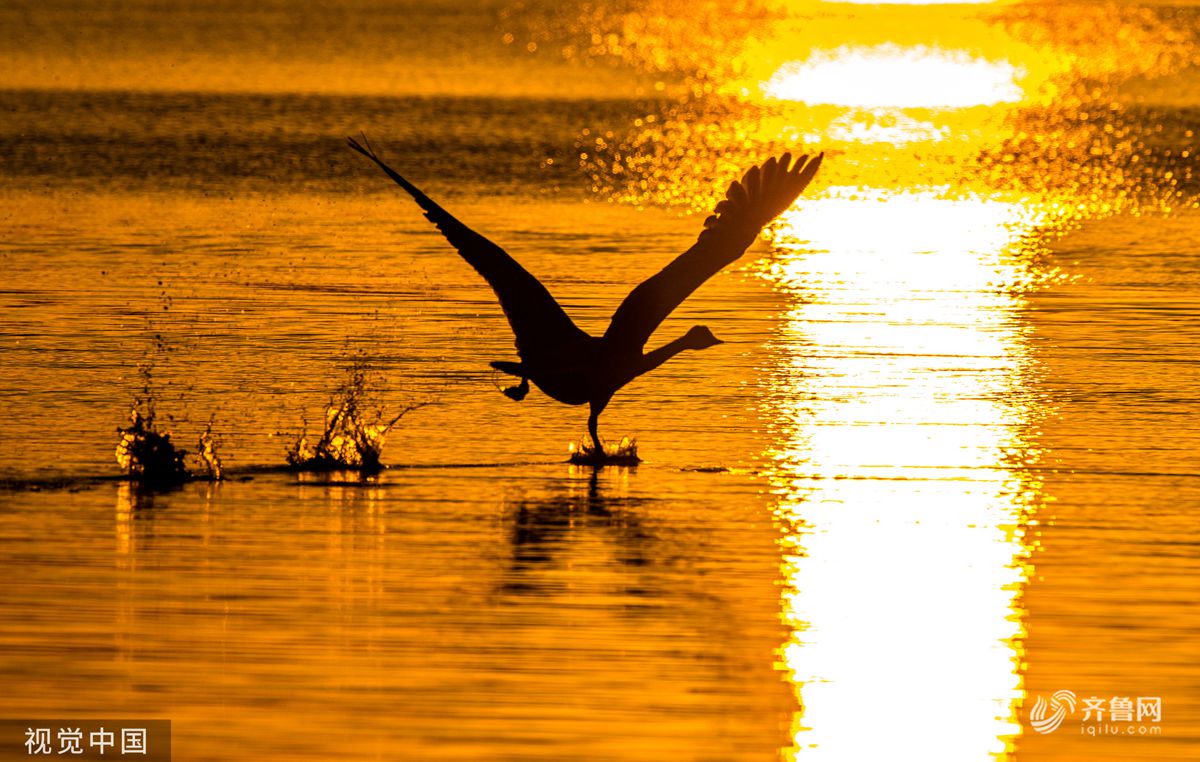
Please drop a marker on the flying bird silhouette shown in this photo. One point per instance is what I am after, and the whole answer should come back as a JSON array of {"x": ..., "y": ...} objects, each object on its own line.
[{"x": 574, "y": 367}]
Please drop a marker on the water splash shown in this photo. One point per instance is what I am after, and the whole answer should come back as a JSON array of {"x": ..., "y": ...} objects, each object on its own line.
[
  {"x": 207, "y": 454},
  {"x": 354, "y": 434},
  {"x": 147, "y": 455},
  {"x": 624, "y": 454}
]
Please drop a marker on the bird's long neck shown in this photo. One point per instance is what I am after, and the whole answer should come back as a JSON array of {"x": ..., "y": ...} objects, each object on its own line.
[{"x": 656, "y": 357}]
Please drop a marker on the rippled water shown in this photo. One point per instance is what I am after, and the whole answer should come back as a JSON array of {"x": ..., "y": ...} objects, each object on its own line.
[{"x": 943, "y": 465}]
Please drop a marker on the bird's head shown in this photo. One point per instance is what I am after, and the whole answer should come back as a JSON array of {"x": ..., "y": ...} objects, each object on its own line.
[{"x": 699, "y": 337}]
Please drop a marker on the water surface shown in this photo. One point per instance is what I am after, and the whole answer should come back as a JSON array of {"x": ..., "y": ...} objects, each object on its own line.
[{"x": 944, "y": 463}]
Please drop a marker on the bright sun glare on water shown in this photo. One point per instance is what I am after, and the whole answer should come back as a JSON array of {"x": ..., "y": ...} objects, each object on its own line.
[
  {"x": 898, "y": 412},
  {"x": 889, "y": 76},
  {"x": 905, "y": 437},
  {"x": 899, "y": 408},
  {"x": 907, "y": 518}
]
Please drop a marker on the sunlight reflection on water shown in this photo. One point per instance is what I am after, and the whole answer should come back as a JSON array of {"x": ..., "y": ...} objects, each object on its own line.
[
  {"x": 905, "y": 513},
  {"x": 906, "y": 430}
]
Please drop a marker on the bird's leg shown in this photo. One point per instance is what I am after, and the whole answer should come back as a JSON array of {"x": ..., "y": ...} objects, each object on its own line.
[{"x": 593, "y": 421}]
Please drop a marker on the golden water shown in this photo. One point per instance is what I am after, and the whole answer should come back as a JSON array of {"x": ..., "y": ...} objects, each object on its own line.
[{"x": 944, "y": 463}]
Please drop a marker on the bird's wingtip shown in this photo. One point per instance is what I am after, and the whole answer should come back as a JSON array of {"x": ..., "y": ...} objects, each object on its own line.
[{"x": 365, "y": 147}]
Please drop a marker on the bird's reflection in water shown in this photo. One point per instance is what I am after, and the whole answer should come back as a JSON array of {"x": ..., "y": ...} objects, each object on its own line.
[{"x": 584, "y": 518}]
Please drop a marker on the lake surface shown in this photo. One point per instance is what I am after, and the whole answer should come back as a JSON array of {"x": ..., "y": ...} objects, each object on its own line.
[{"x": 943, "y": 466}]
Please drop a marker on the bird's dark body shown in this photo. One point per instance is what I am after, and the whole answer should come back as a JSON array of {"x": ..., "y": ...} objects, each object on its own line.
[
  {"x": 576, "y": 368},
  {"x": 589, "y": 370}
]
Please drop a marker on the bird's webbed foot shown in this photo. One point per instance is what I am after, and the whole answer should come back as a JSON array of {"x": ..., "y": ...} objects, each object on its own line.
[{"x": 517, "y": 393}]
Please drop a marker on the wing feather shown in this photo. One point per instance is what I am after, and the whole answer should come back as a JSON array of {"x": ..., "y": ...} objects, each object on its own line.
[
  {"x": 537, "y": 320},
  {"x": 762, "y": 195}
]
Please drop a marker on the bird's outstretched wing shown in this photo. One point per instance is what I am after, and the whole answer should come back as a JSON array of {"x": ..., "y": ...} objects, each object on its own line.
[
  {"x": 761, "y": 195},
  {"x": 537, "y": 320}
]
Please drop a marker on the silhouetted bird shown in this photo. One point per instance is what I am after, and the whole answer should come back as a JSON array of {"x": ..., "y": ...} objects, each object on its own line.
[{"x": 576, "y": 368}]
